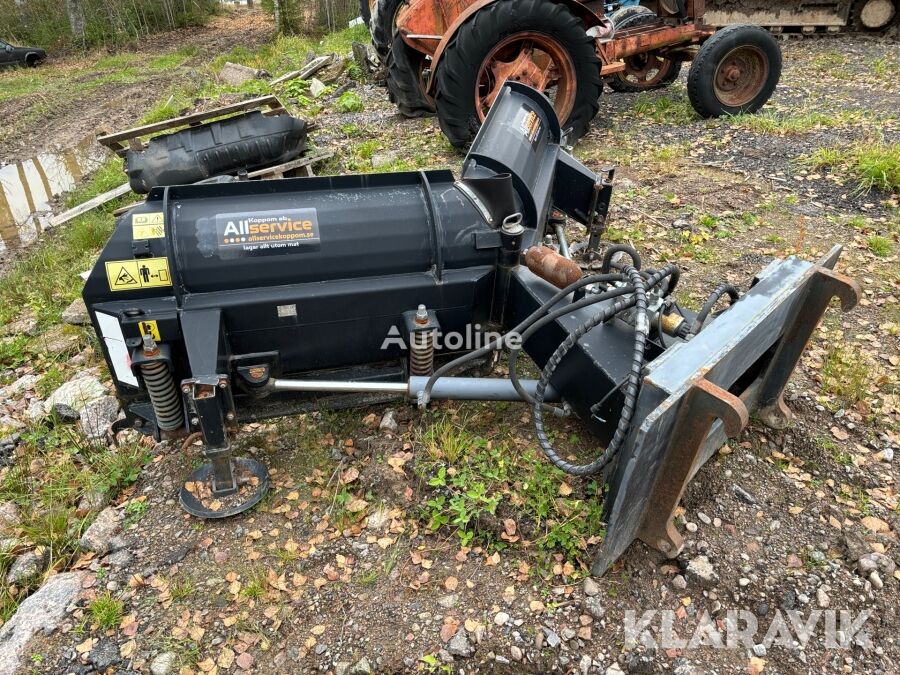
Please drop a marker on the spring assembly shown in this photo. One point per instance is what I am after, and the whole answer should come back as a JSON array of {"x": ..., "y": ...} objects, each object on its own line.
[
  {"x": 163, "y": 394},
  {"x": 421, "y": 353}
]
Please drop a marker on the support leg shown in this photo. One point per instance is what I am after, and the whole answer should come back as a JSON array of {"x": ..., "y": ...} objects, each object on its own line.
[
  {"x": 703, "y": 404},
  {"x": 824, "y": 285}
]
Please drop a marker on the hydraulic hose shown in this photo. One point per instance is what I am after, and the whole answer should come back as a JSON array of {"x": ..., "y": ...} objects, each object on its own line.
[
  {"x": 642, "y": 328},
  {"x": 620, "y": 248},
  {"x": 711, "y": 301},
  {"x": 498, "y": 342}
]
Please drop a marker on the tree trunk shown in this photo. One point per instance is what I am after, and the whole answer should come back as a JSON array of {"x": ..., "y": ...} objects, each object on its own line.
[
  {"x": 276, "y": 4},
  {"x": 76, "y": 20}
]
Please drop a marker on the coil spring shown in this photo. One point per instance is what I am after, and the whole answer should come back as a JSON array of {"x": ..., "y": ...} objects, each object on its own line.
[
  {"x": 163, "y": 395},
  {"x": 421, "y": 353}
]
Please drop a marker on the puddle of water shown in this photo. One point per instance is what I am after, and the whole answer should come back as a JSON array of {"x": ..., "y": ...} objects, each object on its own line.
[{"x": 26, "y": 189}]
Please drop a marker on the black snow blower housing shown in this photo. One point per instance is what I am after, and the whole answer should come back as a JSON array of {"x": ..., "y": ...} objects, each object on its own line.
[{"x": 219, "y": 304}]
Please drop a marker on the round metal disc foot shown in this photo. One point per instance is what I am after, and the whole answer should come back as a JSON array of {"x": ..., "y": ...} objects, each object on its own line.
[{"x": 247, "y": 496}]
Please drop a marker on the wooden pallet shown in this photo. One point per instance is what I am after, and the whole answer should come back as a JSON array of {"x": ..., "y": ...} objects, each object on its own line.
[{"x": 132, "y": 137}]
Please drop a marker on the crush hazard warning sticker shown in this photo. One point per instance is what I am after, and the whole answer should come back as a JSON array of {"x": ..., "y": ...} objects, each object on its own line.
[
  {"x": 266, "y": 231},
  {"x": 133, "y": 275}
]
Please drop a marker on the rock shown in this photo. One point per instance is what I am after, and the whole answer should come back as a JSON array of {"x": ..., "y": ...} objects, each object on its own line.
[
  {"x": 591, "y": 587},
  {"x": 163, "y": 664},
  {"x": 703, "y": 518},
  {"x": 640, "y": 664},
  {"x": 389, "y": 422},
  {"x": 875, "y": 580},
  {"x": 26, "y": 325},
  {"x": 679, "y": 582},
  {"x": 822, "y": 600},
  {"x": 76, "y": 393},
  {"x": 76, "y": 314},
  {"x": 742, "y": 495},
  {"x": 96, "y": 537},
  {"x": 120, "y": 559},
  {"x": 614, "y": 669},
  {"x": 57, "y": 340},
  {"x": 27, "y": 566},
  {"x": 42, "y": 611},
  {"x": 886, "y": 455},
  {"x": 9, "y": 515},
  {"x": 568, "y": 633},
  {"x": 104, "y": 655},
  {"x": 316, "y": 87},
  {"x": 515, "y": 653},
  {"x": 35, "y": 411},
  {"x": 553, "y": 640},
  {"x": 93, "y": 500},
  {"x": 871, "y": 562},
  {"x": 759, "y": 650},
  {"x": 61, "y": 413},
  {"x": 448, "y": 601},
  {"x": 594, "y": 607},
  {"x": 361, "y": 667},
  {"x": 342, "y": 668},
  {"x": 501, "y": 618},
  {"x": 459, "y": 644},
  {"x": 236, "y": 74},
  {"x": 20, "y": 386},
  {"x": 97, "y": 417},
  {"x": 701, "y": 571},
  {"x": 380, "y": 159},
  {"x": 330, "y": 73}
]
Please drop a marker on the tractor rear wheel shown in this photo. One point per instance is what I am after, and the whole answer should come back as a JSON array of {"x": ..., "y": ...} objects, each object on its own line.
[
  {"x": 406, "y": 88},
  {"x": 537, "y": 42},
  {"x": 382, "y": 26},
  {"x": 735, "y": 71},
  {"x": 642, "y": 71},
  {"x": 365, "y": 13}
]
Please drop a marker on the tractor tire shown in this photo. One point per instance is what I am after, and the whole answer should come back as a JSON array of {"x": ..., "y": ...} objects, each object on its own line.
[
  {"x": 404, "y": 66},
  {"x": 871, "y": 16},
  {"x": 550, "y": 25},
  {"x": 382, "y": 27},
  {"x": 735, "y": 71},
  {"x": 667, "y": 70}
]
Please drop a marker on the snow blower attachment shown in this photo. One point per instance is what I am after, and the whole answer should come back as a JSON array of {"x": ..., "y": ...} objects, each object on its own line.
[{"x": 221, "y": 304}]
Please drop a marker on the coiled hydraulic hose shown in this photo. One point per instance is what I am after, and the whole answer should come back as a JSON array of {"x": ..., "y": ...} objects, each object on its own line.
[
  {"x": 642, "y": 328},
  {"x": 606, "y": 262},
  {"x": 711, "y": 301}
]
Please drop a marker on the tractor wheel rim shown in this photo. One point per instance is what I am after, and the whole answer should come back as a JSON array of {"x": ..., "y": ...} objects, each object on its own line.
[
  {"x": 741, "y": 75},
  {"x": 534, "y": 59},
  {"x": 877, "y": 13},
  {"x": 646, "y": 70}
]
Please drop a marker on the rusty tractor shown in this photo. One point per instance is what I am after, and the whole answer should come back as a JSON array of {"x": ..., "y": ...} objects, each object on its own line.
[{"x": 452, "y": 57}]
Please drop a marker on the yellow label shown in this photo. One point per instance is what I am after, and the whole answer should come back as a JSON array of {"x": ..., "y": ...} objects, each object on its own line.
[
  {"x": 133, "y": 275},
  {"x": 149, "y": 328},
  {"x": 147, "y": 226}
]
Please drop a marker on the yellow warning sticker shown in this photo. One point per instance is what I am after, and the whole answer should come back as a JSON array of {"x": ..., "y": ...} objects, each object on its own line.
[
  {"x": 149, "y": 328},
  {"x": 133, "y": 275},
  {"x": 147, "y": 226}
]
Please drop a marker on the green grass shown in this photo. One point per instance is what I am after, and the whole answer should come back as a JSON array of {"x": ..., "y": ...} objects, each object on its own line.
[
  {"x": 478, "y": 482},
  {"x": 846, "y": 373},
  {"x": 872, "y": 164},
  {"x": 880, "y": 246},
  {"x": 106, "y": 611},
  {"x": 670, "y": 108},
  {"x": 772, "y": 122}
]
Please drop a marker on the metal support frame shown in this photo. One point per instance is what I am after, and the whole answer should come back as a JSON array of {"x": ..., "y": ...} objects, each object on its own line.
[{"x": 698, "y": 393}]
